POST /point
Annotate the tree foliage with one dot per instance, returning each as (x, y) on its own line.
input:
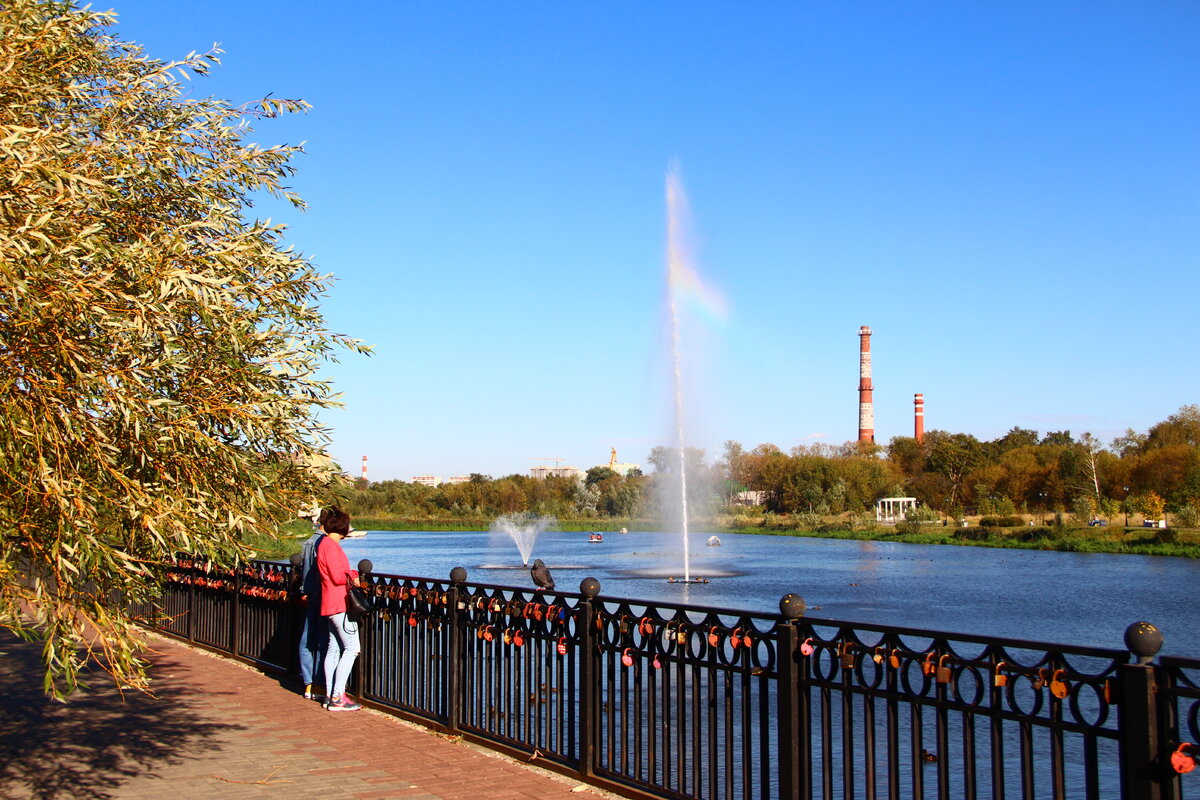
(158, 348)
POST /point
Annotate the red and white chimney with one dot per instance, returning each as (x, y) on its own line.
(919, 417)
(364, 468)
(866, 406)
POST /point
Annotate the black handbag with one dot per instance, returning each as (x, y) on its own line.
(359, 604)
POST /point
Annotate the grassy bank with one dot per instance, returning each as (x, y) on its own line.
(1140, 541)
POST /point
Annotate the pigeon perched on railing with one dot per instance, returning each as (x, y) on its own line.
(541, 575)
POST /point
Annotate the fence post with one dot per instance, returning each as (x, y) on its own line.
(235, 611)
(1142, 771)
(787, 695)
(589, 675)
(454, 605)
(191, 602)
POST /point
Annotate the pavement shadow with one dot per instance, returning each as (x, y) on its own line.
(94, 742)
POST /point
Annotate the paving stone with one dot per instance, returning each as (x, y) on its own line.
(216, 728)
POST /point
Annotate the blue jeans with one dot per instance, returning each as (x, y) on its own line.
(343, 649)
(313, 641)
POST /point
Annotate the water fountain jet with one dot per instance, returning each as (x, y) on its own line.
(523, 529)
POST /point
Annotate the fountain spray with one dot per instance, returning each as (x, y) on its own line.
(675, 267)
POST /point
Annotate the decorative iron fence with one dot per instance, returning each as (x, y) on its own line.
(676, 701)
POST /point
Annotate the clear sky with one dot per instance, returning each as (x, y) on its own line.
(1007, 193)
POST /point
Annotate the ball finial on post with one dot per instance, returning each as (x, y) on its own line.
(589, 587)
(1144, 640)
(458, 575)
(792, 606)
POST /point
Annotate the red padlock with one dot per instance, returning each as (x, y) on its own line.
(1182, 760)
(562, 645)
(627, 657)
(713, 638)
(489, 633)
(656, 662)
(806, 647)
(412, 620)
(736, 638)
(646, 626)
(519, 638)
(746, 641)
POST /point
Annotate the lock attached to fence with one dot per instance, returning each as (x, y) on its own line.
(1059, 687)
(943, 670)
(1183, 760)
(806, 648)
(627, 657)
(999, 679)
(714, 638)
(847, 656)
(894, 659)
(562, 646)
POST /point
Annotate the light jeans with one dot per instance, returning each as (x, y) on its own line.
(313, 639)
(339, 658)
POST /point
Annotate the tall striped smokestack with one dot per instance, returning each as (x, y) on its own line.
(364, 471)
(919, 417)
(866, 406)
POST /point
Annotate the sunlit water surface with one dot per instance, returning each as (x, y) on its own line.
(1068, 598)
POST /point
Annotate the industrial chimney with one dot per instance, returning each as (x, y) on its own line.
(919, 417)
(866, 407)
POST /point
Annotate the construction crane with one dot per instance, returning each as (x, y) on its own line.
(556, 459)
(612, 461)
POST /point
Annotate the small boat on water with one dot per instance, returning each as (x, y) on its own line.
(596, 537)
(713, 541)
(623, 531)
(355, 534)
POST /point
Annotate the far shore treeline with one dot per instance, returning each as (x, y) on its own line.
(1040, 483)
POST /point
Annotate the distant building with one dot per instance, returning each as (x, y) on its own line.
(749, 498)
(894, 509)
(542, 472)
(624, 469)
(458, 479)
(426, 480)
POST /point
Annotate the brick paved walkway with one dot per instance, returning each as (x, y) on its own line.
(219, 729)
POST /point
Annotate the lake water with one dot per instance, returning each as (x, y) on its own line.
(1068, 598)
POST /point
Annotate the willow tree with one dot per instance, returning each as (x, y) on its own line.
(159, 346)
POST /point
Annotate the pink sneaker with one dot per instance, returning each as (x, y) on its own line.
(342, 703)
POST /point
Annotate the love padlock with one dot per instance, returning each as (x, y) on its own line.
(1000, 679)
(681, 635)
(943, 672)
(489, 634)
(878, 656)
(627, 657)
(508, 636)
(806, 647)
(714, 638)
(1058, 687)
(562, 646)
(1182, 760)
(927, 666)
(735, 638)
(646, 626)
(894, 659)
(412, 620)
(519, 639)
(656, 662)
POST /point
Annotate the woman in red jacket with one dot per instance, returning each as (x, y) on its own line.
(336, 578)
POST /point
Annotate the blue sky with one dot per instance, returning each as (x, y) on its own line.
(1007, 193)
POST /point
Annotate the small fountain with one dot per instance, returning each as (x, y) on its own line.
(523, 529)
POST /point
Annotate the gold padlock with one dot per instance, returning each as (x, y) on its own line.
(681, 636)
(847, 656)
(1000, 679)
(1059, 688)
(943, 671)
(894, 659)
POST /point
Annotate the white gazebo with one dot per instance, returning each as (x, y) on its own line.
(893, 509)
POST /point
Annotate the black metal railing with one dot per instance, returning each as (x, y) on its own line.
(677, 701)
